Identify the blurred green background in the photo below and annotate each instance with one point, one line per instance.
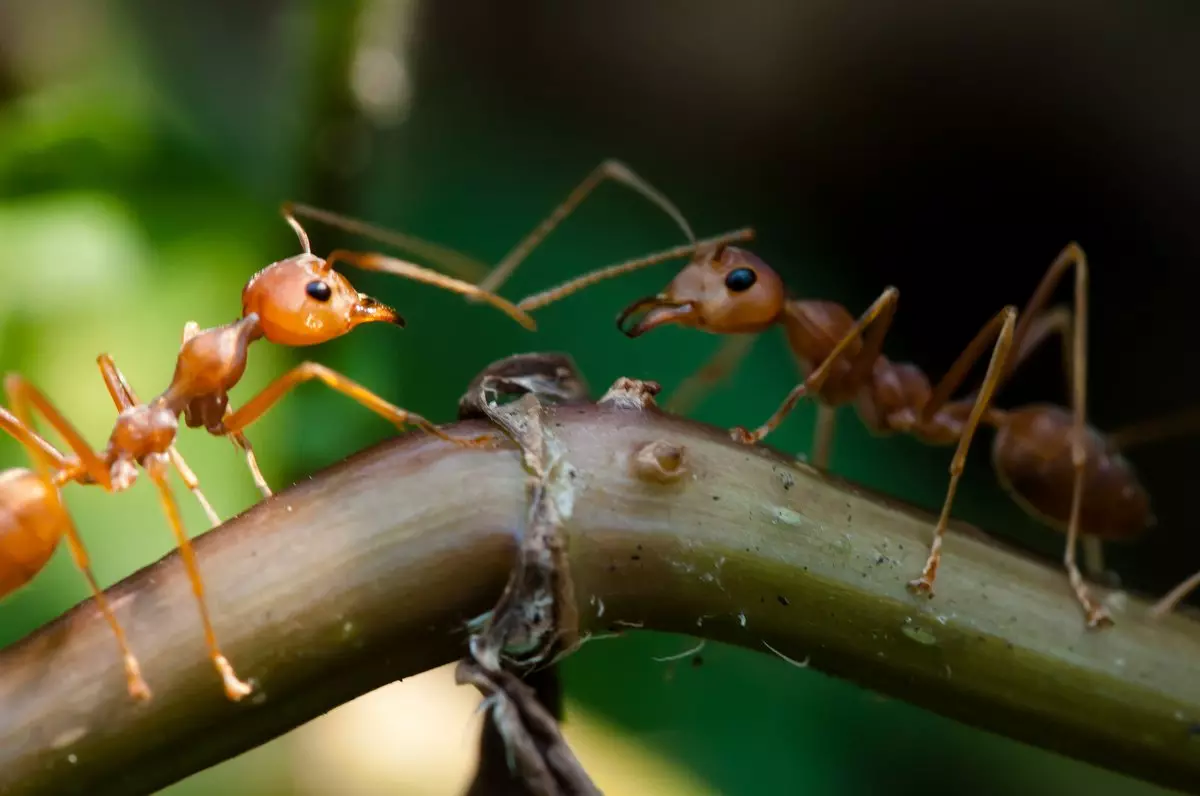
(145, 148)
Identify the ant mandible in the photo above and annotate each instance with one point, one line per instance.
(298, 301)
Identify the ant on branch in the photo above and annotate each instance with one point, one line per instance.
(729, 291)
(299, 301)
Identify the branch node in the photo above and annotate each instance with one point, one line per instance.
(631, 394)
(659, 461)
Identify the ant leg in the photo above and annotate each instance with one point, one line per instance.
(155, 467)
(24, 398)
(241, 442)
(456, 263)
(700, 249)
(133, 671)
(1174, 597)
(718, 368)
(874, 322)
(39, 449)
(307, 371)
(823, 436)
(124, 397)
(1001, 328)
(193, 484)
(609, 169)
(391, 265)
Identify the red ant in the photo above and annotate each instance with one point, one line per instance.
(1057, 467)
(729, 291)
(299, 301)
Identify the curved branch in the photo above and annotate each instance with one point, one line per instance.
(368, 572)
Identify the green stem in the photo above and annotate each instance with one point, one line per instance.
(368, 572)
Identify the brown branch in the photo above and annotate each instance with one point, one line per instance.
(368, 572)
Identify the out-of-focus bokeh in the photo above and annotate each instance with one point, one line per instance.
(950, 149)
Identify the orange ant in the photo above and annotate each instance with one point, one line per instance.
(299, 301)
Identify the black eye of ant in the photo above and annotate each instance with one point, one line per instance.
(741, 279)
(319, 290)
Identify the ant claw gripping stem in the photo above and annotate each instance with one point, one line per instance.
(133, 679)
(235, 689)
(1099, 618)
(743, 435)
(922, 586)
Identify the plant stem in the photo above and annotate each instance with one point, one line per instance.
(368, 572)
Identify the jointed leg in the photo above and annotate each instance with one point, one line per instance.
(1001, 328)
(609, 169)
(822, 447)
(235, 689)
(718, 368)
(456, 263)
(124, 397)
(872, 326)
(133, 672)
(24, 397)
(39, 449)
(307, 371)
(1175, 596)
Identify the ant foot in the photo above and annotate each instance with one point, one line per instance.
(483, 441)
(133, 680)
(1098, 618)
(235, 689)
(743, 435)
(922, 585)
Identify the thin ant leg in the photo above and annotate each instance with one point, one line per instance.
(822, 447)
(609, 169)
(718, 368)
(1000, 328)
(134, 682)
(874, 322)
(307, 371)
(1071, 255)
(24, 397)
(708, 245)
(155, 467)
(1174, 597)
(34, 442)
(1097, 615)
(124, 397)
(457, 263)
(391, 265)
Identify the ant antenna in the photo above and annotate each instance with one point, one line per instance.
(609, 169)
(299, 230)
(1158, 429)
(391, 265)
(707, 247)
(453, 261)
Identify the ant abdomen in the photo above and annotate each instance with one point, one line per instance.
(32, 521)
(1032, 455)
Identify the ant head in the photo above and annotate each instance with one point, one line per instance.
(726, 291)
(302, 301)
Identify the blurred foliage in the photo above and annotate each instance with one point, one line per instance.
(140, 173)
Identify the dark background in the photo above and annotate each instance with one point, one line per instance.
(950, 149)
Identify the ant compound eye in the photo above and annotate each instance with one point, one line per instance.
(319, 290)
(741, 279)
